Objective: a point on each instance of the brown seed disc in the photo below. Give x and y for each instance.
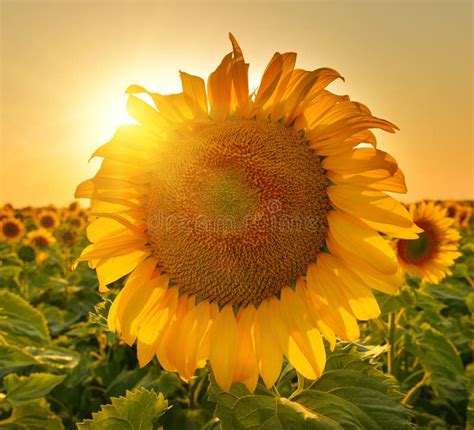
(10, 229)
(238, 211)
(417, 251)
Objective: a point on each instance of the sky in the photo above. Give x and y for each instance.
(64, 67)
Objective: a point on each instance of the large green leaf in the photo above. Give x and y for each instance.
(350, 394)
(55, 356)
(34, 415)
(441, 361)
(12, 357)
(23, 389)
(136, 411)
(20, 323)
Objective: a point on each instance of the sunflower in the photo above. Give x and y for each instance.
(248, 222)
(430, 256)
(12, 229)
(68, 236)
(74, 207)
(464, 216)
(47, 219)
(75, 222)
(40, 238)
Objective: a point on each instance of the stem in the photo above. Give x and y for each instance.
(414, 388)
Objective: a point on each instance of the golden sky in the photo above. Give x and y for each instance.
(66, 64)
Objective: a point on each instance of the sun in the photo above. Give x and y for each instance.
(118, 116)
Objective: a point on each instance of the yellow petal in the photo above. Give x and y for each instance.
(166, 347)
(219, 86)
(145, 114)
(239, 71)
(356, 293)
(361, 242)
(318, 315)
(136, 310)
(153, 324)
(323, 290)
(304, 347)
(195, 89)
(268, 351)
(360, 160)
(386, 182)
(223, 348)
(246, 370)
(373, 207)
(388, 284)
(192, 330)
(112, 269)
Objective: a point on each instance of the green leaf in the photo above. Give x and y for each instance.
(136, 411)
(55, 356)
(441, 361)
(34, 415)
(23, 389)
(20, 323)
(351, 393)
(392, 303)
(12, 357)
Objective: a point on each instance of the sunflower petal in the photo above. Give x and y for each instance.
(223, 348)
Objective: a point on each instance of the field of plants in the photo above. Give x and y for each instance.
(62, 368)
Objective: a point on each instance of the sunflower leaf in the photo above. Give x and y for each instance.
(351, 393)
(20, 323)
(441, 361)
(136, 411)
(34, 415)
(23, 389)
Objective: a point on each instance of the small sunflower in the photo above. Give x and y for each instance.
(464, 216)
(248, 222)
(430, 256)
(68, 237)
(47, 219)
(75, 222)
(12, 229)
(40, 238)
(74, 207)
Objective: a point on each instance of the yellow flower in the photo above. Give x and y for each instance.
(74, 207)
(47, 219)
(11, 229)
(75, 222)
(68, 236)
(460, 211)
(430, 256)
(248, 222)
(40, 238)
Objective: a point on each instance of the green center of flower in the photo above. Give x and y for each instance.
(226, 196)
(417, 249)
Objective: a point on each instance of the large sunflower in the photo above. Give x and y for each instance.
(430, 256)
(249, 222)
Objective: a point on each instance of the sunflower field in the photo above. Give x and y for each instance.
(62, 368)
(242, 265)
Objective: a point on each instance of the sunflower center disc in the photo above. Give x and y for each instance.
(10, 229)
(237, 211)
(418, 250)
